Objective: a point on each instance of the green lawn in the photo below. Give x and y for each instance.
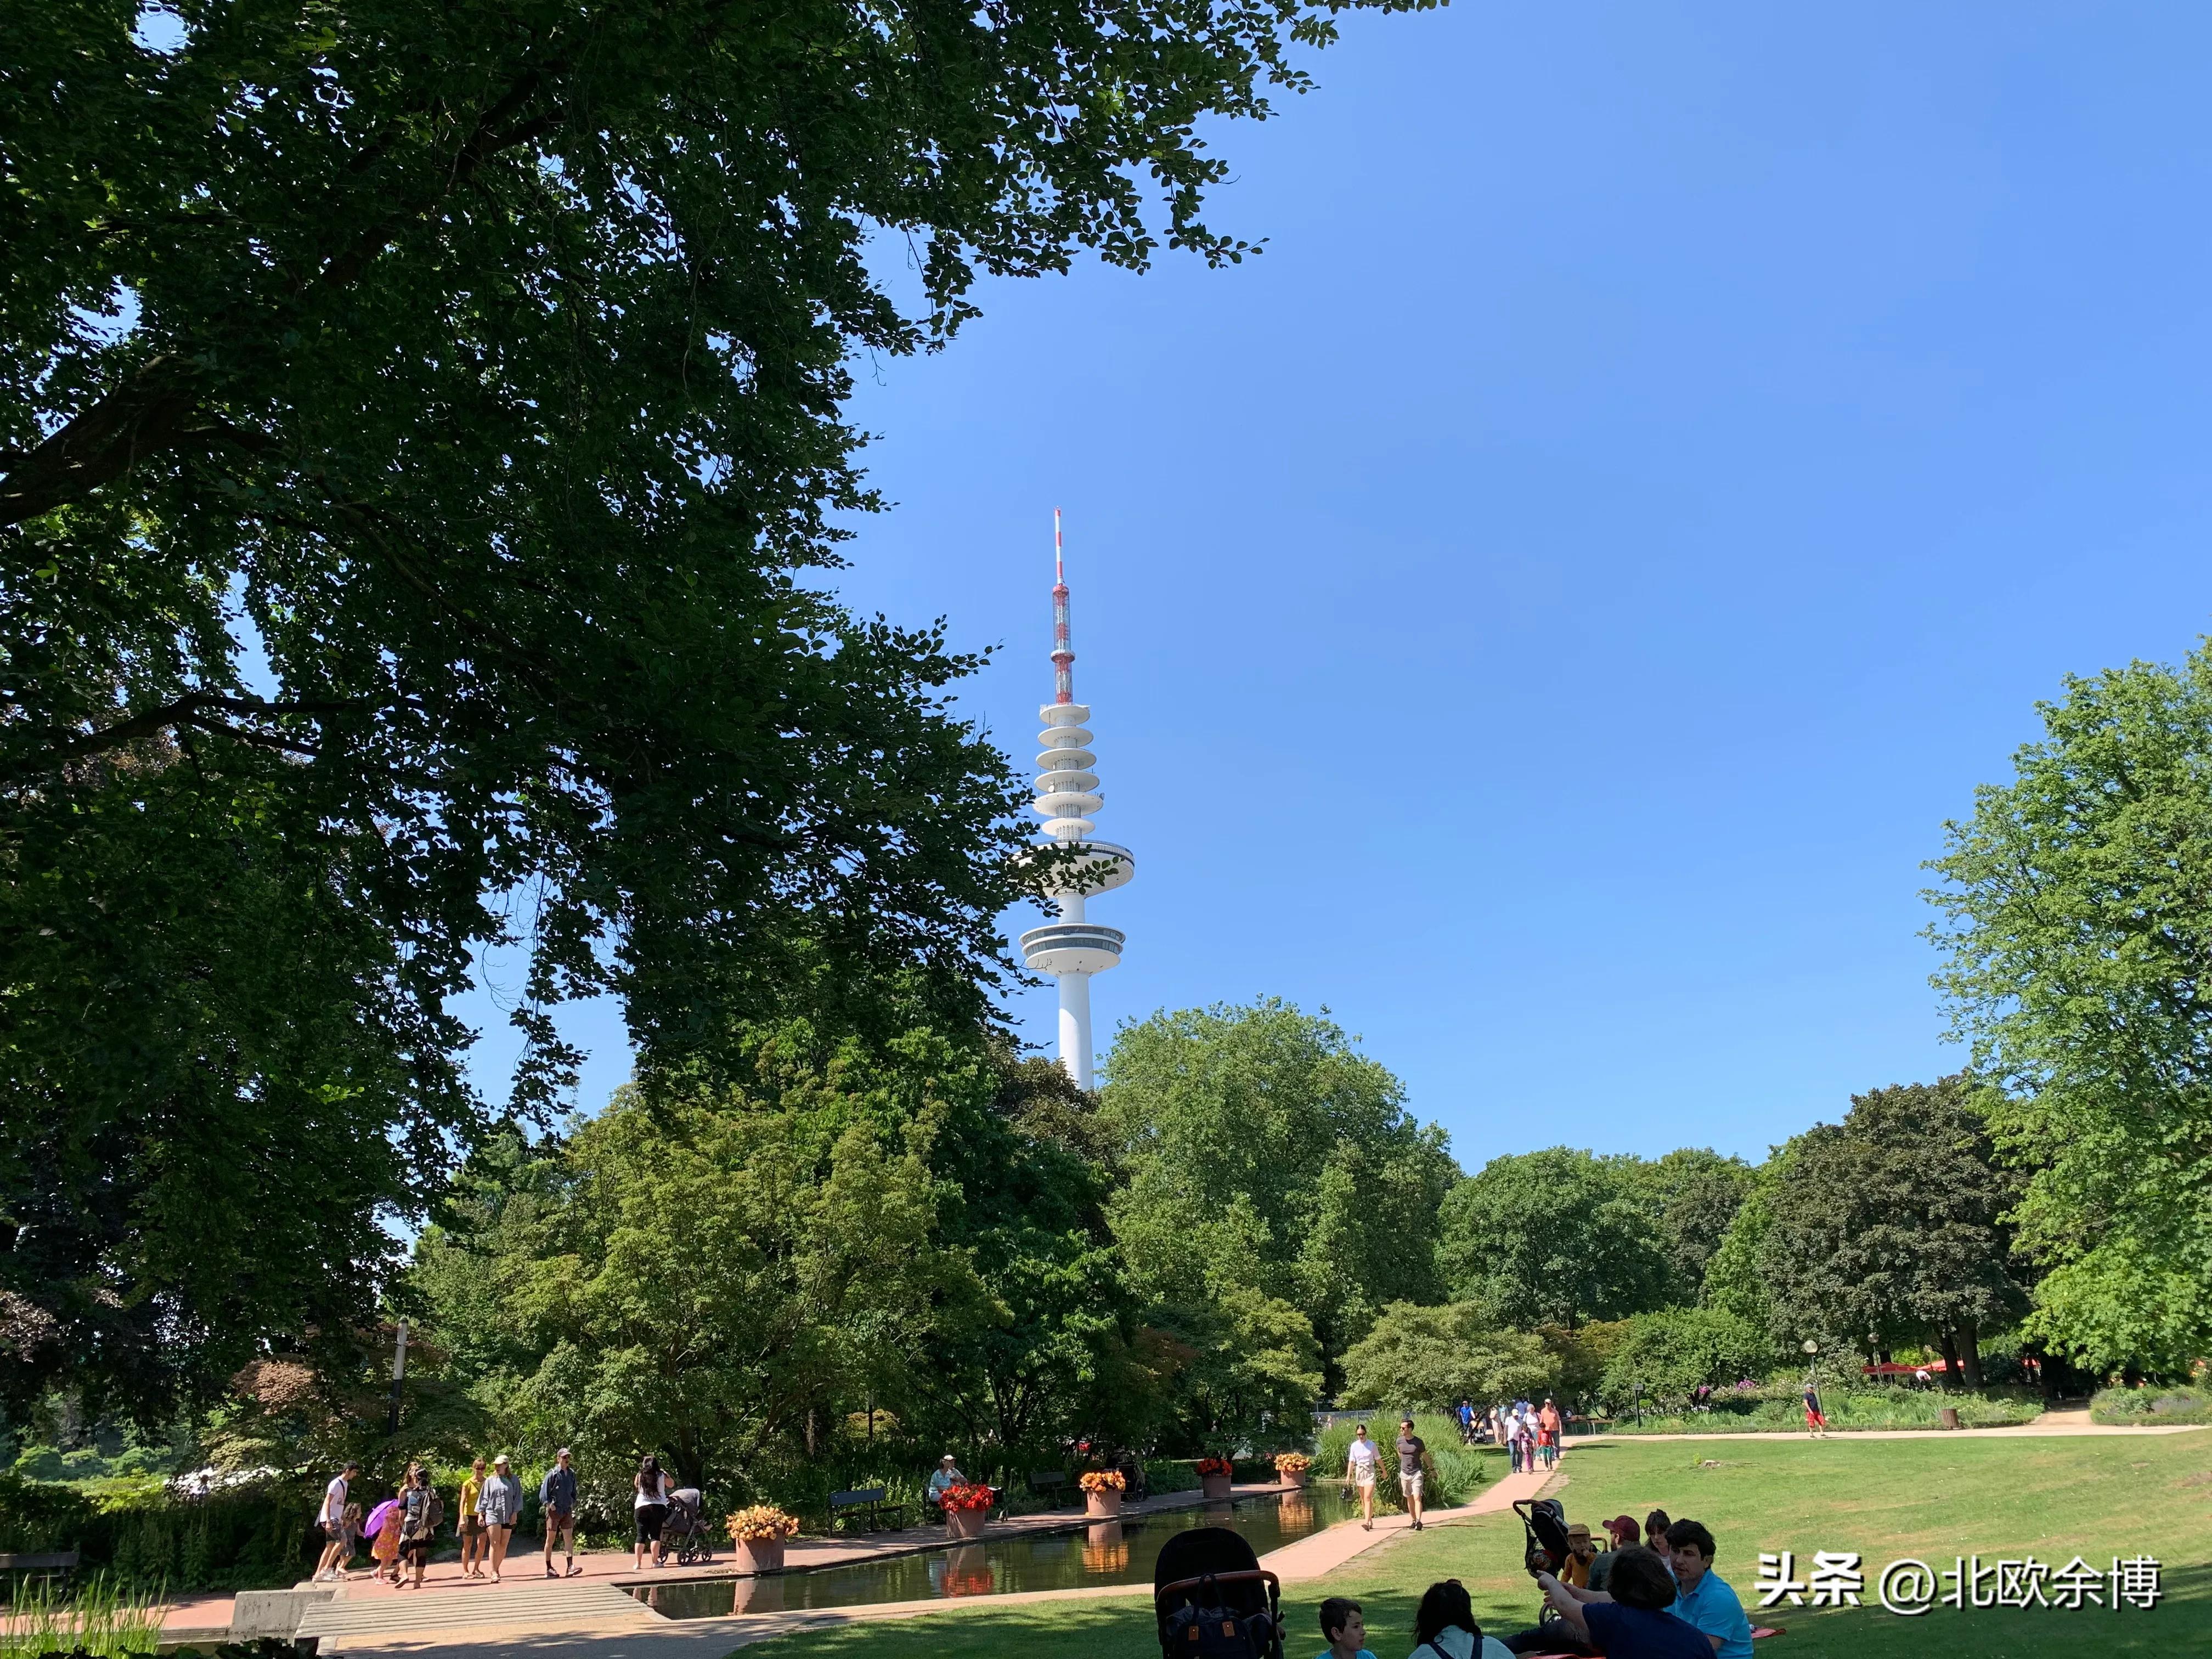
(1933, 1498)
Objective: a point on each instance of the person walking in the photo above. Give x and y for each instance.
(1547, 1433)
(472, 1523)
(1412, 1451)
(338, 1548)
(649, 1505)
(557, 1497)
(421, 1512)
(1816, 1420)
(1360, 1469)
(384, 1541)
(498, 1507)
(1516, 1442)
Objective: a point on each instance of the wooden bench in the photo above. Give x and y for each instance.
(56, 1565)
(1047, 1483)
(874, 1500)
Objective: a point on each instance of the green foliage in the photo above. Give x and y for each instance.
(1778, 1407)
(2078, 921)
(1669, 1355)
(245, 1537)
(1237, 1368)
(1696, 1193)
(1888, 1229)
(2138, 1408)
(1735, 1274)
(1262, 1150)
(1431, 1358)
(1554, 1238)
(422, 422)
(95, 1618)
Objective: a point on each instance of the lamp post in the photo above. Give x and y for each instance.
(398, 1376)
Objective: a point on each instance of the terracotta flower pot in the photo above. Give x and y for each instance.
(1297, 1478)
(1103, 1505)
(762, 1555)
(1215, 1486)
(966, 1523)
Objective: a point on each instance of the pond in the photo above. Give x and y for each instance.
(1103, 1552)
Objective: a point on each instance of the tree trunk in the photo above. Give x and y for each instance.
(810, 1431)
(1970, 1352)
(1950, 1361)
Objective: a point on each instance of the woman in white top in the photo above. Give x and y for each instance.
(651, 1505)
(1359, 1470)
(1445, 1627)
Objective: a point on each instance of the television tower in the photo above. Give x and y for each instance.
(1072, 949)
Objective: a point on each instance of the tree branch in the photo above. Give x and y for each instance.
(193, 708)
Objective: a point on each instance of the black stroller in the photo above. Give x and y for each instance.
(684, 1533)
(1213, 1599)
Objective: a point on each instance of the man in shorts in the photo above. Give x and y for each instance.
(1412, 1451)
(337, 1547)
(557, 1494)
(1360, 1469)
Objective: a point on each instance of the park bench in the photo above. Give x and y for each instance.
(1047, 1483)
(54, 1566)
(875, 1501)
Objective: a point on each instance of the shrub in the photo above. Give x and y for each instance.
(2151, 1404)
(1459, 1472)
(1670, 1354)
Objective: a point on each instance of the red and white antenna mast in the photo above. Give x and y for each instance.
(1063, 654)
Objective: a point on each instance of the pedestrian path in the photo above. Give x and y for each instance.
(574, 1605)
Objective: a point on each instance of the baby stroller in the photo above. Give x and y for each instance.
(1213, 1599)
(684, 1533)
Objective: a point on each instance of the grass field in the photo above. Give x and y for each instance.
(1932, 1499)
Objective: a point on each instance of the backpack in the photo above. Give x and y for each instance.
(1197, 1631)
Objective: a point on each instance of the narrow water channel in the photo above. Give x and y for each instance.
(1103, 1552)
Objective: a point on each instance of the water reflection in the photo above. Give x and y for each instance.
(1103, 1552)
(1105, 1549)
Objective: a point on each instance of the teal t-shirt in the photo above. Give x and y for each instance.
(1712, 1609)
(1326, 1653)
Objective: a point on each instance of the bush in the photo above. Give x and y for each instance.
(1670, 1354)
(2137, 1408)
(1762, 1410)
(1430, 1357)
(245, 1538)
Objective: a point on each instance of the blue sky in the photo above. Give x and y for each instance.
(1546, 607)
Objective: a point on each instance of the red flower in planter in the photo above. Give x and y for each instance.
(967, 1495)
(1215, 1466)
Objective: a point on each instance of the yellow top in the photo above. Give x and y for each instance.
(471, 1489)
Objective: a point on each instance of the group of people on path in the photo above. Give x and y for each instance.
(1654, 1599)
(401, 1530)
(1530, 1434)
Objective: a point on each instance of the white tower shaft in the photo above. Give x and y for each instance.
(1074, 948)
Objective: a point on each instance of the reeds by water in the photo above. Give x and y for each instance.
(98, 1619)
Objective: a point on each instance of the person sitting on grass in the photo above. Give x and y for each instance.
(1704, 1600)
(1344, 1627)
(1630, 1620)
(1444, 1626)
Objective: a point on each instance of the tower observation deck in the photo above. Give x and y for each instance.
(1074, 948)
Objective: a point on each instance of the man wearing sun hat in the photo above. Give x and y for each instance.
(946, 1475)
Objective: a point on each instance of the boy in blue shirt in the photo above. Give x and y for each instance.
(1344, 1630)
(1704, 1600)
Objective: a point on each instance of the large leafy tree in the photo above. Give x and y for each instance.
(1262, 1149)
(418, 424)
(1890, 1228)
(1696, 1193)
(2078, 920)
(1558, 1237)
(1431, 1357)
(1669, 1355)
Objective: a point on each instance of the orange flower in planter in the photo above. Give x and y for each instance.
(1292, 1463)
(763, 1523)
(1104, 1480)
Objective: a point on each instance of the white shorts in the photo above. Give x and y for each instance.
(1365, 1481)
(1410, 1485)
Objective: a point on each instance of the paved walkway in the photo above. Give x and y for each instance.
(636, 1632)
(2050, 1424)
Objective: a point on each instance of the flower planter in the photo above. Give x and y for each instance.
(1295, 1478)
(966, 1523)
(1103, 1505)
(1215, 1486)
(766, 1555)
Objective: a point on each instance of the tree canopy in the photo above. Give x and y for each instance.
(2078, 923)
(420, 430)
(1432, 1358)
(1889, 1228)
(1262, 1149)
(1558, 1237)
